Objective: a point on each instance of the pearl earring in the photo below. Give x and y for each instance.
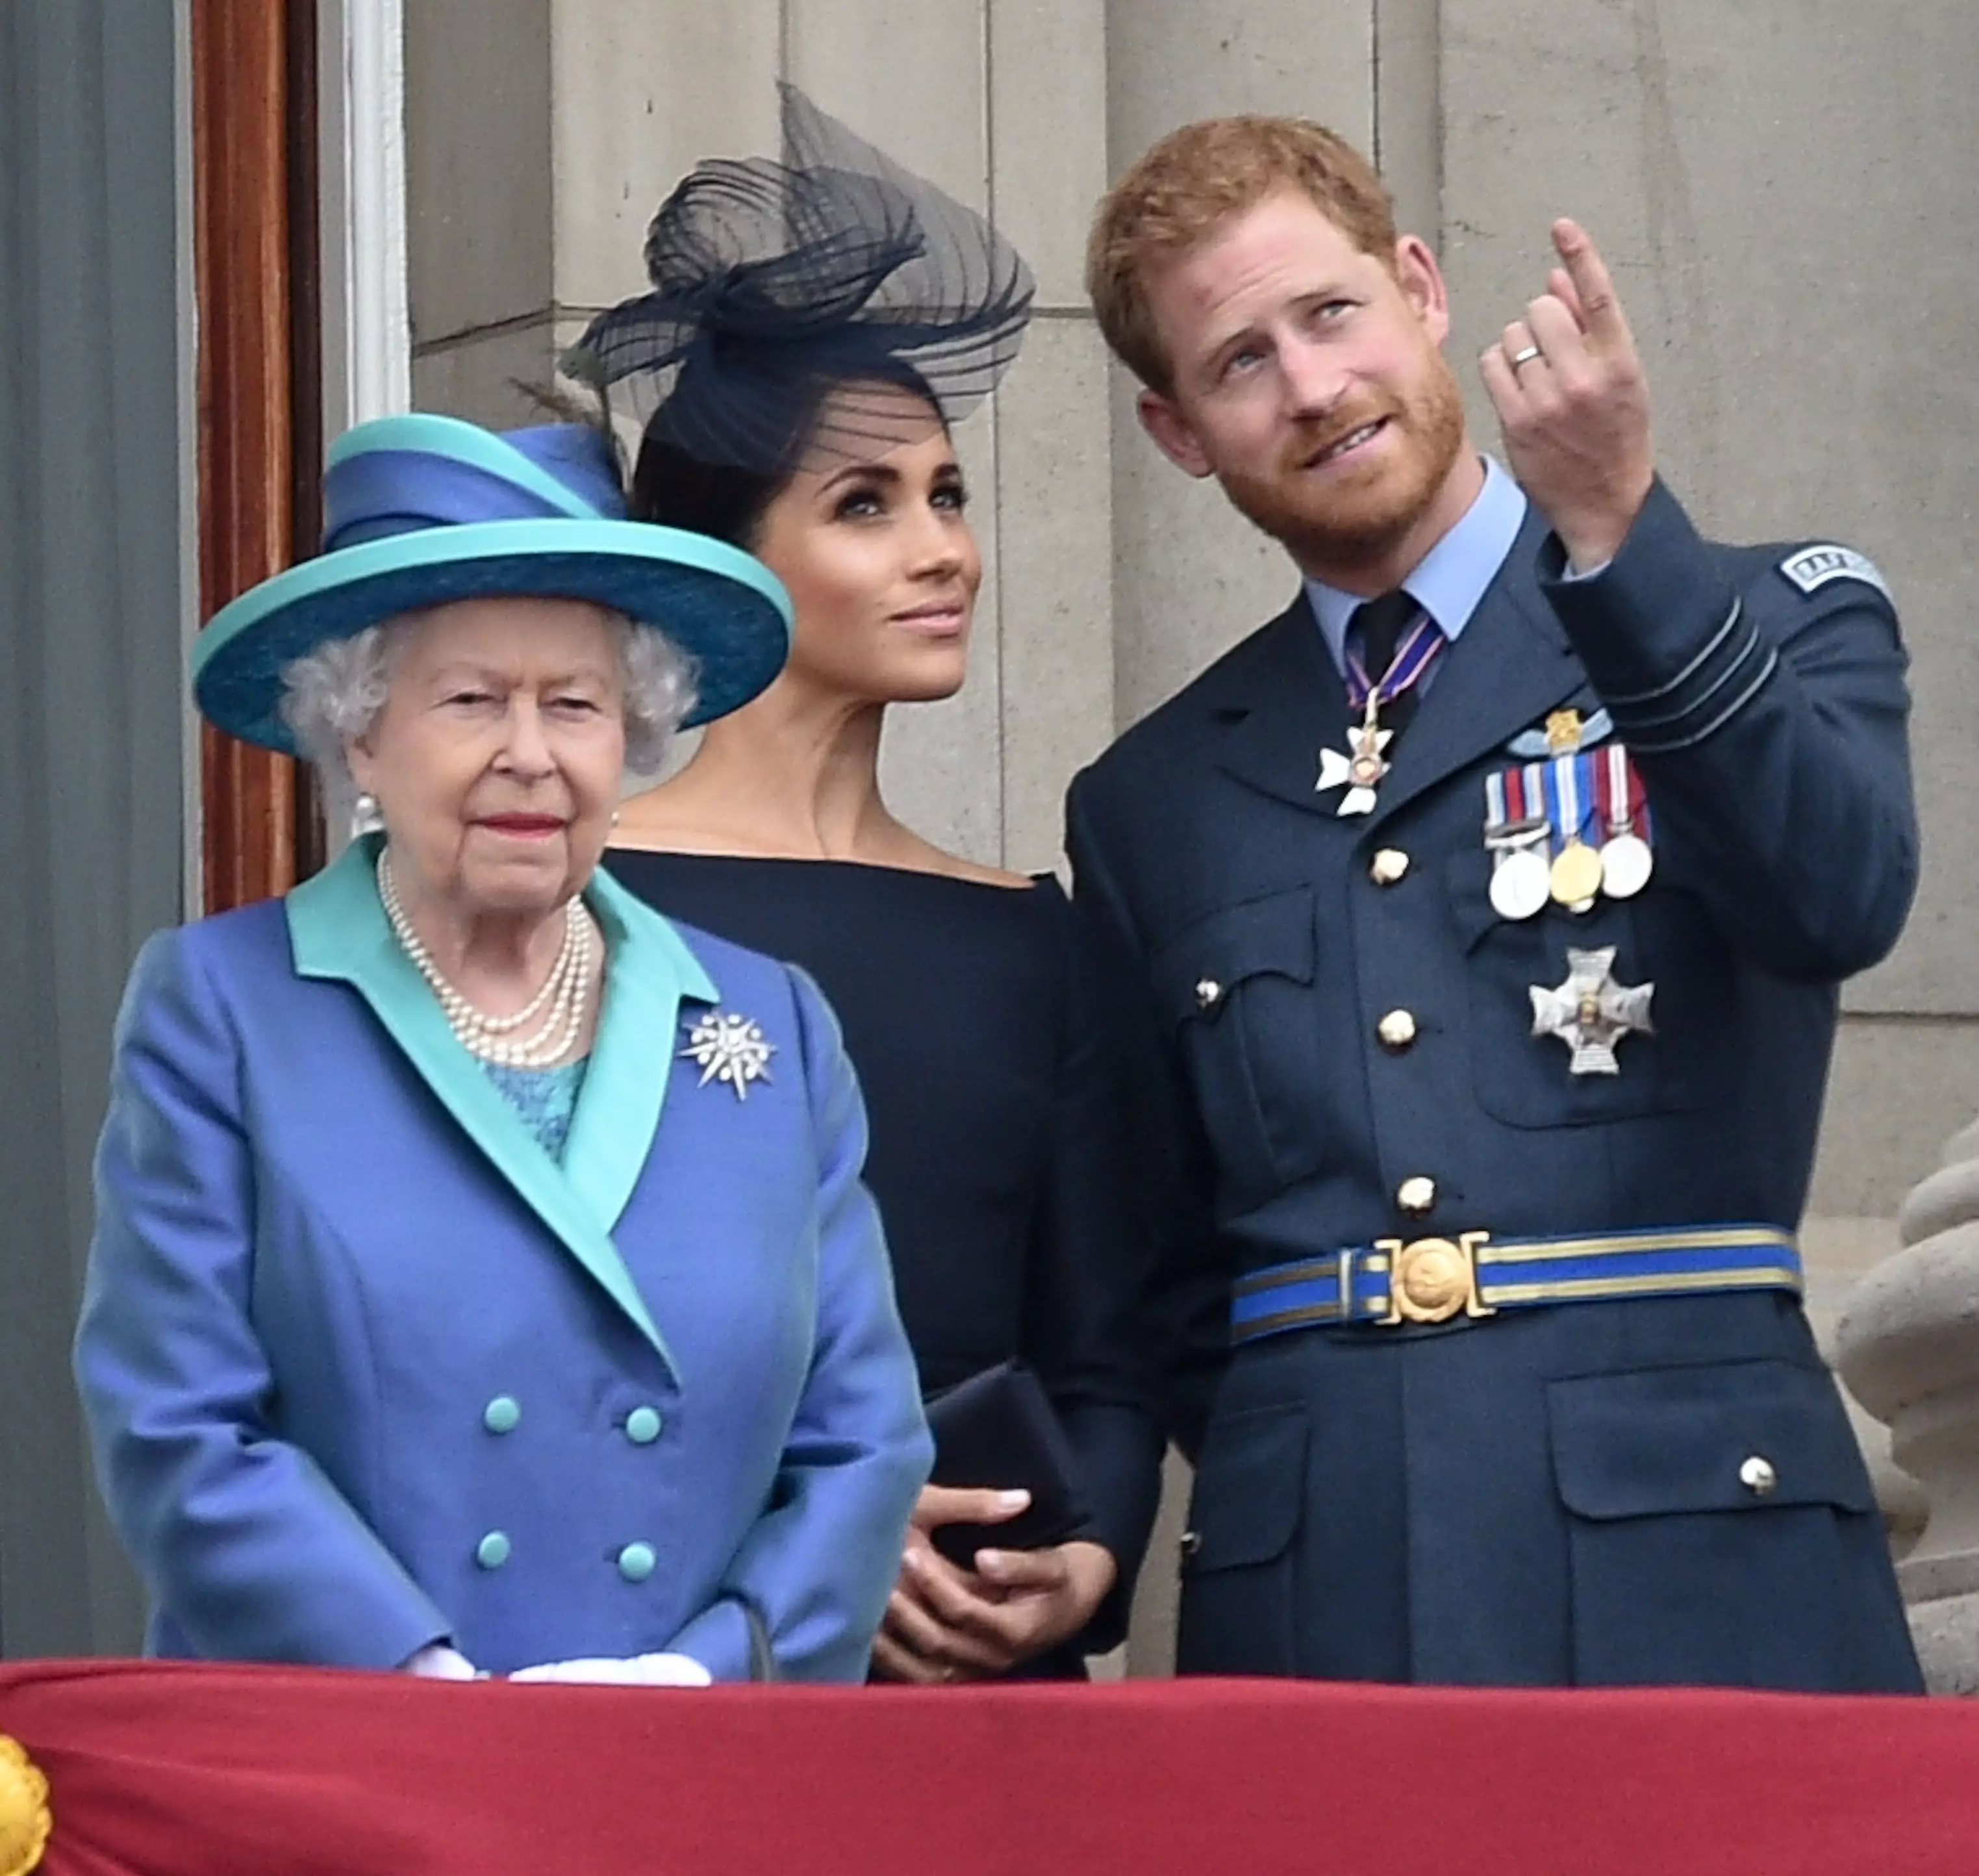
(364, 816)
(615, 817)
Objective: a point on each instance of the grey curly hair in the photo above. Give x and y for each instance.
(335, 692)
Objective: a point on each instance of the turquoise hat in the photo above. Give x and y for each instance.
(421, 510)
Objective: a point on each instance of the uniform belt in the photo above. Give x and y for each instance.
(1473, 1274)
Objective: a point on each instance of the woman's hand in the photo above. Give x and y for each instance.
(946, 1624)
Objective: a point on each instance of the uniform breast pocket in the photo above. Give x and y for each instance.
(1237, 989)
(1662, 939)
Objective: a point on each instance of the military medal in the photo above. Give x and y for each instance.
(1575, 880)
(1360, 768)
(1518, 883)
(1627, 860)
(1518, 840)
(1591, 1013)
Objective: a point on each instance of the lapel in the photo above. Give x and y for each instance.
(1512, 664)
(1285, 705)
(338, 931)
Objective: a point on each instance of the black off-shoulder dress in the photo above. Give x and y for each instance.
(985, 1045)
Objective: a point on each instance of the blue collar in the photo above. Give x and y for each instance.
(1451, 577)
(338, 930)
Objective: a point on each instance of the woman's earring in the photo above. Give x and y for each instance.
(615, 817)
(364, 816)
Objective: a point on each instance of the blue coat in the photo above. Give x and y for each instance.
(1551, 1494)
(366, 1369)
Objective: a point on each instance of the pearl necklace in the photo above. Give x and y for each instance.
(561, 1003)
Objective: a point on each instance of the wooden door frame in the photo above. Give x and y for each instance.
(257, 283)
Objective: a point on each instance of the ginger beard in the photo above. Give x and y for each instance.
(1348, 518)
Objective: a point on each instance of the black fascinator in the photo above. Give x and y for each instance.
(792, 300)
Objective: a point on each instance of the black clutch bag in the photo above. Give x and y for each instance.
(998, 1430)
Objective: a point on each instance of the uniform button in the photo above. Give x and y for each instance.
(642, 1425)
(503, 1414)
(1758, 1476)
(636, 1563)
(1388, 866)
(1416, 1195)
(492, 1551)
(1189, 1543)
(1209, 993)
(1396, 1030)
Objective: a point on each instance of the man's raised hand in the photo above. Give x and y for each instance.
(1575, 405)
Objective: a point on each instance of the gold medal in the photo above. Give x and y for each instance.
(1576, 878)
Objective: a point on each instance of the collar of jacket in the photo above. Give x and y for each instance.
(338, 930)
(1277, 709)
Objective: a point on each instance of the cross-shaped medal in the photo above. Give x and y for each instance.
(1361, 767)
(1591, 1013)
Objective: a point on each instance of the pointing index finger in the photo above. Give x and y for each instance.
(1599, 309)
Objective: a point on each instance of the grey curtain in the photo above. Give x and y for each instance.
(90, 720)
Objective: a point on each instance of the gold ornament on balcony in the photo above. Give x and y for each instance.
(25, 1821)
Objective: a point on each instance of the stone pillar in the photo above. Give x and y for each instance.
(1907, 1346)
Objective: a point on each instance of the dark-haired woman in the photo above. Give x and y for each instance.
(804, 400)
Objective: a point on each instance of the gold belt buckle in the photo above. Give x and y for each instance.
(1433, 1279)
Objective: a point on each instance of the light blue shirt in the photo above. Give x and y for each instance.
(1451, 577)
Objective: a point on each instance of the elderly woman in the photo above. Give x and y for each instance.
(483, 1280)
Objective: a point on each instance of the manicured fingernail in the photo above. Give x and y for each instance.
(1012, 1501)
(911, 1560)
(992, 1562)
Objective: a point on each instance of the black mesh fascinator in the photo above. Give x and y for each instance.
(792, 300)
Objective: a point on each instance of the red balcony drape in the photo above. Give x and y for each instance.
(188, 1771)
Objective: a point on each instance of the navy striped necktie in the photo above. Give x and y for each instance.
(1374, 630)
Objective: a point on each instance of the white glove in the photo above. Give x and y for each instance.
(436, 1662)
(633, 1671)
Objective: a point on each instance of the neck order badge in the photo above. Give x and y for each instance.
(1364, 761)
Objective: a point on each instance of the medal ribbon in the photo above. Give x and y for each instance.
(1414, 656)
(1570, 776)
(1624, 808)
(1539, 797)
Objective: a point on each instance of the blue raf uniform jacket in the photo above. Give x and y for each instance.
(366, 1369)
(1556, 1494)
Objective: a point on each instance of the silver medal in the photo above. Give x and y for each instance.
(1520, 883)
(1626, 863)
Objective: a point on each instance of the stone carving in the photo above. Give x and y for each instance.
(1907, 1346)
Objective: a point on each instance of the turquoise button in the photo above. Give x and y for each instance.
(642, 1425)
(636, 1563)
(492, 1551)
(503, 1414)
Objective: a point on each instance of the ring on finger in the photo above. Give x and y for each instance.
(1524, 355)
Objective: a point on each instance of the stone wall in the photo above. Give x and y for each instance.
(1782, 188)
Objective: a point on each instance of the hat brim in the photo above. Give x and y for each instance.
(722, 607)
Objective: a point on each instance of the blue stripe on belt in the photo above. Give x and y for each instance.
(1427, 1279)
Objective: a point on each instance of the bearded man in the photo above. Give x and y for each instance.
(1492, 903)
